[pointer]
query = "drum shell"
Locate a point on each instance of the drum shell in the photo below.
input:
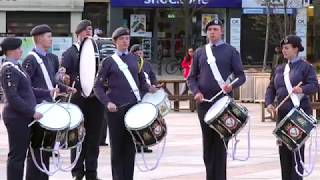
(75, 135)
(294, 119)
(150, 134)
(76, 131)
(162, 105)
(231, 112)
(46, 138)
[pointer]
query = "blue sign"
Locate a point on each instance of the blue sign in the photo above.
(177, 3)
(264, 11)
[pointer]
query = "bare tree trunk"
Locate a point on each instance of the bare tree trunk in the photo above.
(157, 53)
(285, 15)
(266, 42)
(187, 27)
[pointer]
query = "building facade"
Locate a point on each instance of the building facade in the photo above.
(164, 27)
(19, 16)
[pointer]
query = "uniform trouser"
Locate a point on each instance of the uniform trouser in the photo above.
(19, 138)
(214, 152)
(104, 129)
(122, 147)
(287, 161)
(288, 164)
(92, 111)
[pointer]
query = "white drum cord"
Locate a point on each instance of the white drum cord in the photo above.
(234, 145)
(56, 161)
(78, 152)
(234, 142)
(160, 151)
(307, 169)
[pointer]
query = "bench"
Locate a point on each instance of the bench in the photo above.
(175, 95)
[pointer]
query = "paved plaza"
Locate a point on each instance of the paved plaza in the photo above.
(182, 159)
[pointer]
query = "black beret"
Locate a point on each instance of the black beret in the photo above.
(40, 29)
(293, 40)
(215, 21)
(135, 48)
(120, 31)
(9, 43)
(82, 26)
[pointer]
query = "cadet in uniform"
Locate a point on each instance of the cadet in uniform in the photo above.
(151, 79)
(91, 108)
(299, 71)
(123, 93)
(228, 62)
(19, 107)
(42, 67)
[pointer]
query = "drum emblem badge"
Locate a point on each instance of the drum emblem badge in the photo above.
(157, 129)
(162, 109)
(230, 122)
(293, 131)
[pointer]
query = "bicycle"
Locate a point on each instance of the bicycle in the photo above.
(173, 66)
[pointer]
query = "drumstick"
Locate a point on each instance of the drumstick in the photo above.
(160, 85)
(55, 93)
(30, 124)
(220, 92)
(73, 84)
(286, 98)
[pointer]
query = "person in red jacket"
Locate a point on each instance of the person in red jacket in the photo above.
(186, 65)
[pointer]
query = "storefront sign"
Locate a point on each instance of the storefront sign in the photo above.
(301, 29)
(274, 3)
(177, 3)
(264, 11)
(235, 32)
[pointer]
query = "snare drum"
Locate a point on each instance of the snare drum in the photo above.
(76, 129)
(160, 100)
(295, 128)
(50, 131)
(145, 125)
(226, 117)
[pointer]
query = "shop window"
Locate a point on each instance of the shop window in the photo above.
(21, 23)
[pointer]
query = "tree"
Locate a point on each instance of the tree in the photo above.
(285, 5)
(188, 11)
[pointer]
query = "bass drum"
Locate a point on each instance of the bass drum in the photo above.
(88, 66)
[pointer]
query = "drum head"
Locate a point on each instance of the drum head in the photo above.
(55, 117)
(87, 65)
(154, 98)
(217, 108)
(76, 116)
(140, 115)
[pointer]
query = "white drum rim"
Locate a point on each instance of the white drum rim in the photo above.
(207, 120)
(50, 128)
(83, 63)
(78, 108)
(142, 127)
(147, 97)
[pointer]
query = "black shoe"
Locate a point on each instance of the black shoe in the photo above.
(147, 150)
(77, 178)
(104, 144)
(95, 178)
(138, 150)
